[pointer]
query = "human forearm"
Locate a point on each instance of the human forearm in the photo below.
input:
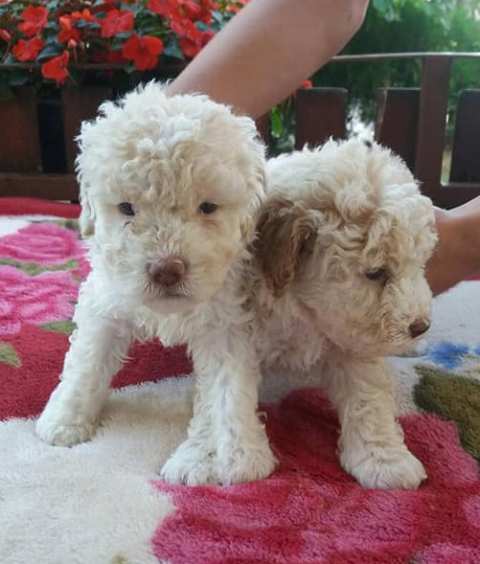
(266, 51)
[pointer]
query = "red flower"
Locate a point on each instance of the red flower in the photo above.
(191, 39)
(306, 84)
(56, 68)
(117, 21)
(34, 20)
(27, 50)
(212, 5)
(191, 48)
(206, 36)
(5, 35)
(165, 8)
(207, 7)
(191, 9)
(68, 31)
(84, 15)
(186, 28)
(143, 51)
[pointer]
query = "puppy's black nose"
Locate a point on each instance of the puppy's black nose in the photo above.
(418, 327)
(168, 272)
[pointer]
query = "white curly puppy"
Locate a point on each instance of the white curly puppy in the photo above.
(169, 186)
(344, 237)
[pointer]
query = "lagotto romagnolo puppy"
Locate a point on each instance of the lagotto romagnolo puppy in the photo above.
(169, 191)
(344, 236)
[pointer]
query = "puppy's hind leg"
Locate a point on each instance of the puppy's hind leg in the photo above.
(372, 448)
(98, 347)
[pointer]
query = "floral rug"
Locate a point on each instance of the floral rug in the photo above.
(102, 502)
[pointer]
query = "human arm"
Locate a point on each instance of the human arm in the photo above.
(268, 49)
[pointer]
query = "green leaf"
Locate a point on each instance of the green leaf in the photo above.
(172, 49)
(123, 35)
(218, 16)
(202, 26)
(51, 50)
(66, 327)
(51, 26)
(381, 5)
(277, 124)
(8, 355)
(10, 60)
(33, 269)
(87, 25)
(136, 8)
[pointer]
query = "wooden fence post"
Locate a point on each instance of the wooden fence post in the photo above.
(320, 113)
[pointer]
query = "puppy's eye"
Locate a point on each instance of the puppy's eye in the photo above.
(207, 208)
(379, 274)
(126, 208)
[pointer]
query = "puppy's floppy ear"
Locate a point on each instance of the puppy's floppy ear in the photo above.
(286, 236)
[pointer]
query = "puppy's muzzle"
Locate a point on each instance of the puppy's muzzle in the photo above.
(167, 272)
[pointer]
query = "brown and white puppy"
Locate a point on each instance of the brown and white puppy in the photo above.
(343, 239)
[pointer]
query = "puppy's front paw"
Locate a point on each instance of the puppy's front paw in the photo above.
(191, 464)
(59, 425)
(245, 464)
(387, 469)
(54, 433)
(63, 422)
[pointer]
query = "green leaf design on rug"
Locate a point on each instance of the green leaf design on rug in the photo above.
(452, 397)
(8, 355)
(33, 269)
(67, 327)
(71, 224)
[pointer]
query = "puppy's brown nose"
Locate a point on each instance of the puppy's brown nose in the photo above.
(418, 327)
(168, 272)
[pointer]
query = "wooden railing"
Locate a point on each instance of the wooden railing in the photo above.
(411, 121)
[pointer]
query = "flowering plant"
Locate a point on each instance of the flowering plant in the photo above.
(58, 36)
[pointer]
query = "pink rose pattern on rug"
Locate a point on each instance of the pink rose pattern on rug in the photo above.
(310, 511)
(37, 300)
(43, 244)
(40, 269)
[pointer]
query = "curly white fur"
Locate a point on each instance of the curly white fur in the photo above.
(165, 157)
(344, 238)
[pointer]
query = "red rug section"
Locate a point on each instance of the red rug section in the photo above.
(311, 511)
(25, 390)
(30, 206)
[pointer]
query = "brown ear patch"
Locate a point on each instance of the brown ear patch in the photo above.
(286, 235)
